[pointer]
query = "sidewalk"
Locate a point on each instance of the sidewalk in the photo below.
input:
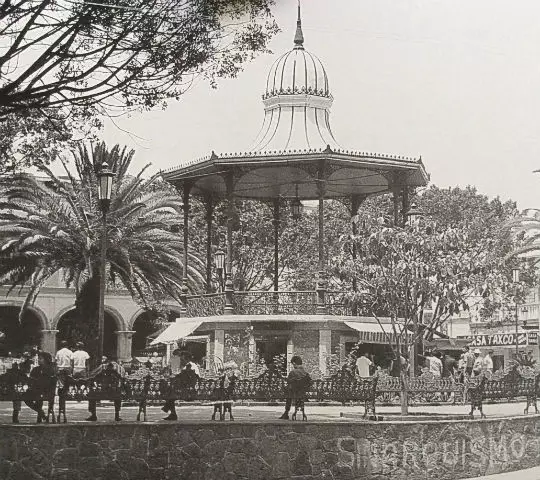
(529, 474)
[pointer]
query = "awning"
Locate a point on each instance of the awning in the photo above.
(177, 330)
(373, 332)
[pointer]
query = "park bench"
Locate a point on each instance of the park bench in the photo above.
(507, 385)
(344, 386)
(107, 384)
(270, 385)
(16, 387)
(425, 389)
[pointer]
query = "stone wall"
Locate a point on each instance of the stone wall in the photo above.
(298, 451)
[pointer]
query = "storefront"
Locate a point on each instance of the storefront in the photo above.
(504, 348)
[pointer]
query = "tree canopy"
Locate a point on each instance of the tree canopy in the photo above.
(63, 62)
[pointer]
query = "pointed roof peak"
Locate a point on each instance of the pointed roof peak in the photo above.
(299, 36)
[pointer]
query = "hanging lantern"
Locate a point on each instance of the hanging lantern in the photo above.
(296, 206)
(413, 214)
(105, 183)
(219, 259)
(515, 275)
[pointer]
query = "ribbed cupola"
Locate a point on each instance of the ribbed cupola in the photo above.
(297, 102)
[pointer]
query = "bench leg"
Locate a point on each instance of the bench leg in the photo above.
(50, 411)
(16, 411)
(142, 410)
(61, 409)
(299, 406)
(217, 409)
(227, 407)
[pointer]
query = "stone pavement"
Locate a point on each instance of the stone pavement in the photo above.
(529, 474)
(77, 412)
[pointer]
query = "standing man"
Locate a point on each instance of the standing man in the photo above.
(80, 361)
(64, 358)
(363, 363)
(478, 363)
(298, 382)
(487, 362)
(435, 364)
(468, 358)
(449, 366)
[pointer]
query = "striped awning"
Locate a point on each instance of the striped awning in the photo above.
(373, 332)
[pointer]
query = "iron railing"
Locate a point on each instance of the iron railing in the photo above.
(205, 305)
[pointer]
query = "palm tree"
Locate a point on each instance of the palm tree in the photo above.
(53, 227)
(526, 228)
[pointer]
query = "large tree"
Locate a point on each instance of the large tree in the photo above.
(62, 60)
(419, 276)
(53, 227)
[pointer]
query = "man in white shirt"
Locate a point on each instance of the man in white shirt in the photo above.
(487, 362)
(64, 358)
(435, 364)
(80, 361)
(362, 365)
(478, 363)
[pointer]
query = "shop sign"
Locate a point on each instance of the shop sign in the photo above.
(532, 338)
(498, 340)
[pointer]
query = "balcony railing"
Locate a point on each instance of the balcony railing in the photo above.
(273, 303)
(266, 303)
(205, 305)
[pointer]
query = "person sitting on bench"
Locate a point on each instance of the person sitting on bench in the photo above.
(186, 381)
(110, 380)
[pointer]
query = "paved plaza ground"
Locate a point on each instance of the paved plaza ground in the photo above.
(77, 412)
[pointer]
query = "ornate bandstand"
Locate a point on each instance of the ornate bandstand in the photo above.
(296, 158)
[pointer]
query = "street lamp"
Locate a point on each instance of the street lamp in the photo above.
(413, 214)
(515, 280)
(105, 183)
(219, 261)
(525, 311)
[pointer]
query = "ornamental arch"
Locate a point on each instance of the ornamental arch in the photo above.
(18, 335)
(72, 330)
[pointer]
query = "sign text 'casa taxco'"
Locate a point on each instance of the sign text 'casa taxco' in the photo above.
(499, 340)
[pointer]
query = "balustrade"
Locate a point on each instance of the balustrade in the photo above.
(272, 303)
(283, 303)
(205, 305)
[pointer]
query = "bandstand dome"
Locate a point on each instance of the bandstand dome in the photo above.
(295, 154)
(297, 102)
(297, 71)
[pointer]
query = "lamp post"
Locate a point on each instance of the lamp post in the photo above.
(515, 280)
(219, 261)
(105, 183)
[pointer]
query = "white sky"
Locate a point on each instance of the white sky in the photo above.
(456, 81)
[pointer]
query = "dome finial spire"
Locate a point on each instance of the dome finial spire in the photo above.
(299, 36)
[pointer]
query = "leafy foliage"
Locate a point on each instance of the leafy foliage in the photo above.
(64, 62)
(421, 275)
(118, 54)
(53, 227)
